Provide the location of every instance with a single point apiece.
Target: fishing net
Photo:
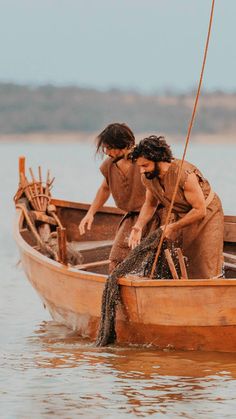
(139, 262)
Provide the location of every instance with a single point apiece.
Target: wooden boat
(182, 314)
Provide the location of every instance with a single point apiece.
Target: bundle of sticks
(37, 192)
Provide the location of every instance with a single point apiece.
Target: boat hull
(174, 314)
(165, 315)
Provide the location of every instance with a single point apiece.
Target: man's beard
(153, 174)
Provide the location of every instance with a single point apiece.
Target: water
(46, 371)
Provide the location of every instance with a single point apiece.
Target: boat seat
(229, 261)
(93, 250)
(85, 266)
(91, 244)
(229, 257)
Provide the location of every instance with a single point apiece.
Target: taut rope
(186, 142)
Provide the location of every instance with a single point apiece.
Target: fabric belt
(131, 214)
(127, 215)
(210, 197)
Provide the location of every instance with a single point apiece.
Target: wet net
(139, 262)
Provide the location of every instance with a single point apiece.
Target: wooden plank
(92, 264)
(171, 264)
(229, 256)
(92, 244)
(39, 216)
(28, 236)
(230, 265)
(61, 236)
(230, 218)
(182, 265)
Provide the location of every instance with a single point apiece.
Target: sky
(146, 45)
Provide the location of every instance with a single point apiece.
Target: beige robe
(128, 193)
(202, 241)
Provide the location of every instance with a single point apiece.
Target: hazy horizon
(191, 91)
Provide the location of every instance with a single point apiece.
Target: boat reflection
(60, 347)
(131, 380)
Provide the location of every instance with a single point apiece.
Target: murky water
(46, 371)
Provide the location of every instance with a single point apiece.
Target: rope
(187, 140)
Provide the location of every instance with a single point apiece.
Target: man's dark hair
(153, 148)
(115, 136)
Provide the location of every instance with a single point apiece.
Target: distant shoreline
(73, 114)
(82, 137)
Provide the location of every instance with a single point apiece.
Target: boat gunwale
(109, 209)
(128, 281)
(79, 205)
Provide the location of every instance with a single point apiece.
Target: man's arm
(194, 196)
(101, 197)
(145, 215)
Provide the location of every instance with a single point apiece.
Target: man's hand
(171, 231)
(86, 221)
(135, 237)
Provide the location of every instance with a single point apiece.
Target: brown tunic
(128, 193)
(202, 241)
(127, 190)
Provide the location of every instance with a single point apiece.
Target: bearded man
(197, 217)
(123, 181)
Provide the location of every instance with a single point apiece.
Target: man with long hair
(123, 181)
(197, 217)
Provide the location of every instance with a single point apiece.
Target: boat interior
(94, 246)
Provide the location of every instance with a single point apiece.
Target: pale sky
(148, 45)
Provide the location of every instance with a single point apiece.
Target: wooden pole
(62, 251)
(51, 182)
(42, 199)
(35, 232)
(47, 183)
(52, 211)
(21, 166)
(36, 197)
(26, 187)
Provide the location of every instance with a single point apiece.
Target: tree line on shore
(27, 109)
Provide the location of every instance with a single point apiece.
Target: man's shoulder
(106, 164)
(186, 166)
